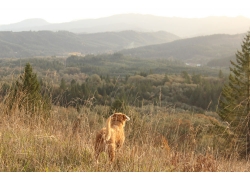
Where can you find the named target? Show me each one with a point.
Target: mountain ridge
(25, 24)
(201, 49)
(48, 43)
(182, 27)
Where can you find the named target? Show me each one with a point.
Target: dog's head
(119, 118)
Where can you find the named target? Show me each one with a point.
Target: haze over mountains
(200, 49)
(182, 27)
(190, 40)
(64, 43)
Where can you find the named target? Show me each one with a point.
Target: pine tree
(63, 85)
(220, 74)
(186, 77)
(29, 83)
(234, 104)
(26, 93)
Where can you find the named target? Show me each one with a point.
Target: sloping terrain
(48, 43)
(200, 49)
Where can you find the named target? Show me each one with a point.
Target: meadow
(157, 140)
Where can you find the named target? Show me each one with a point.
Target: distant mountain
(26, 25)
(183, 27)
(200, 49)
(48, 43)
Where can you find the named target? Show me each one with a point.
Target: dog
(112, 136)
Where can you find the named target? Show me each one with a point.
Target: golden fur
(112, 136)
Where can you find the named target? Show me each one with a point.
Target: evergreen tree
(26, 94)
(196, 78)
(185, 75)
(63, 85)
(29, 82)
(234, 104)
(220, 74)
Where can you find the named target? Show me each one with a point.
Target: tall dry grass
(157, 140)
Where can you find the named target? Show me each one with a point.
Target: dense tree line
(107, 78)
(199, 93)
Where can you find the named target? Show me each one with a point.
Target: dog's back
(111, 136)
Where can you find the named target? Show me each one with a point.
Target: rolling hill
(200, 49)
(48, 43)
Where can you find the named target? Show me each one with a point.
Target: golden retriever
(112, 136)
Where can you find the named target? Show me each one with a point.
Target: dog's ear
(113, 115)
(126, 117)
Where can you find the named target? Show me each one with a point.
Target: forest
(131, 81)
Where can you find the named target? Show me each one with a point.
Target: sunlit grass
(162, 141)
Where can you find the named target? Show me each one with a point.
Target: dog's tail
(108, 128)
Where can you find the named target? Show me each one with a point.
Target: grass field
(157, 140)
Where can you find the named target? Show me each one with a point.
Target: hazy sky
(56, 11)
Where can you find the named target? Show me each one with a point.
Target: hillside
(222, 62)
(48, 43)
(183, 27)
(200, 49)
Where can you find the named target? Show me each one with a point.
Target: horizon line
(146, 14)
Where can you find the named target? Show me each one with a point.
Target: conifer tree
(185, 75)
(26, 93)
(220, 74)
(234, 103)
(63, 85)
